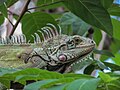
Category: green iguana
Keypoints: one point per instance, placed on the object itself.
(53, 51)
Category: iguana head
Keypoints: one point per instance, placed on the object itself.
(72, 49)
(63, 52)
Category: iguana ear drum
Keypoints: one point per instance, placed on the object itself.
(62, 57)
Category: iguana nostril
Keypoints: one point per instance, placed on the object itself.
(92, 41)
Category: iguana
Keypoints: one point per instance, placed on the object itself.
(52, 51)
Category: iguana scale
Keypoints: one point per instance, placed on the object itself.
(53, 51)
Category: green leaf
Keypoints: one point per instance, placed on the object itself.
(10, 2)
(77, 75)
(48, 78)
(58, 87)
(110, 86)
(78, 26)
(59, 81)
(114, 67)
(114, 10)
(49, 4)
(115, 46)
(39, 2)
(4, 71)
(114, 74)
(89, 69)
(97, 36)
(35, 74)
(2, 1)
(114, 85)
(107, 3)
(116, 28)
(5, 76)
(22, 76)
(5, 81)
(35, 21)
(107, 78)
(1, 19)
(2, 87)
(3, 10)
(116, 59)
(92, 12)
(104, 52)
(66, 29)
(55, 15)
(37, 85)
(83, 84)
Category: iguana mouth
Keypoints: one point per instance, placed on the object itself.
(82, 57)
(85, 54)
(79, 58)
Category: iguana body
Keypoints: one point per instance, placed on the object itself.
(55, 52)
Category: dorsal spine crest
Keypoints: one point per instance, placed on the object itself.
(47, 33)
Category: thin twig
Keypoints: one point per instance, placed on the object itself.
(44, 5)
(20, 17)
(10, 21)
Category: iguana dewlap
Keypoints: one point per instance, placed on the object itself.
(55, 52)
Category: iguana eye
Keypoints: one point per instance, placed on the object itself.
(77, 40)
(62, 57)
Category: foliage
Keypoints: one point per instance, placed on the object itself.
(94, 13)
(57, 81)
(81, 16)
(34, 22)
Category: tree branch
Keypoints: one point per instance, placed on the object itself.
(10, 21)
(20, 17)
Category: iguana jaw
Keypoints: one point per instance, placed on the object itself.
(59, 67)
(72, 51)
(80, 56)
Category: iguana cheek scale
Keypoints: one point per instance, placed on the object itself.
(52, 50)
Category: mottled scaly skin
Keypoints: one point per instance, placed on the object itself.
(54, 54)
(51, 50)
(9, 55)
